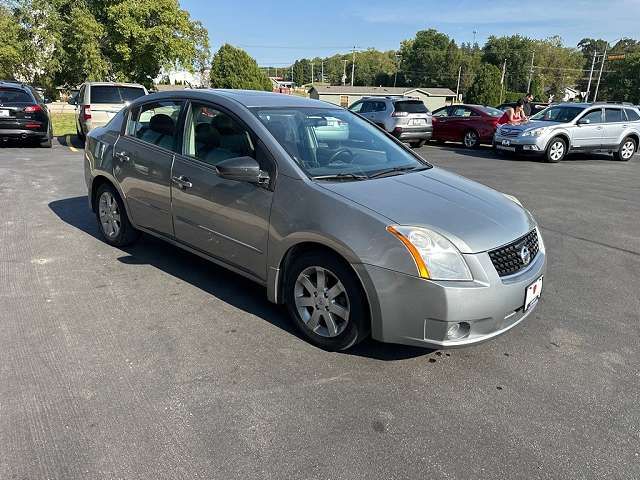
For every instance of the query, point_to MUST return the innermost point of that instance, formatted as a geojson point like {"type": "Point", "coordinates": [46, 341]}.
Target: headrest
{"type": "Point", "coordinates": [224, 123]}
{"type": "Point", "coordinates": [163, 124]}
{"type": "Point", "coordinates": [207, 135]}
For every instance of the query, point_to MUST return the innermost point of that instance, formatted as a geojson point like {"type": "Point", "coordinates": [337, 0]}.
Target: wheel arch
{"type": "Point", "coordinates": [100, 180]}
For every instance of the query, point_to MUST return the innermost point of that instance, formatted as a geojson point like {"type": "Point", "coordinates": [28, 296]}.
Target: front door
{"type": "Point", "coordinates": [143, 157]}
{"type": "Point", "coordinates": [225, 219]}
{"type": "Point", "coordinates": [588, 133]}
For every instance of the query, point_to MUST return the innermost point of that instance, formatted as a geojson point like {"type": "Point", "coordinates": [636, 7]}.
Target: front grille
{"type": "Point", "coordinates": [508, 259]}
{"type": "Point", "coordinates": [505, 132]}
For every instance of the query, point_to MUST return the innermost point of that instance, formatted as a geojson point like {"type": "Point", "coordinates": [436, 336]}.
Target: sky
{"type": "Point", "coordinates": [277, 33]}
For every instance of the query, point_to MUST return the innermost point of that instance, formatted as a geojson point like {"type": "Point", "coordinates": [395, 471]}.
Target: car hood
{"type": "Point", "coordinates": [474, 217]}
{"type": "Point", "coordinates": [531, 125]}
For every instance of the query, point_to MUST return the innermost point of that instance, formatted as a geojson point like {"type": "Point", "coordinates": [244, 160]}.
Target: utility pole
{"type": "Point", "coordinates": [458, 87]}
{"type": "Point", "coordinates": [533, 56]}
{"type": "Point", "coordinates": [593, 64]}
{"type": "Point", "coordinates": [322, 71]}
{"type": "Point", "coordinates": [604, 59]}
{"type": "Point", "coordinates": [292, 75]}
{"type": "Point", "coordinates": [398, 61]}
{"type": "Point", "coordinates": [353, 65]}
{"type": "Point", "coordinates": [311, 73]}
{"type": "Point", "coordinates": [504, 73]}
{"type": "Point", "coordinates": [344, 72]}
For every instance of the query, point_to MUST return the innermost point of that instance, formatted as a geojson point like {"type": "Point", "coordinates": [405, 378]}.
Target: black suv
{"type": "Point", "coordinates": [24, 114]}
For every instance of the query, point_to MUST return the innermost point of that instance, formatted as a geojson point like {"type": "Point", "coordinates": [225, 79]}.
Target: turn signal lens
{"type": "Point", "coordinates": [422, 268]}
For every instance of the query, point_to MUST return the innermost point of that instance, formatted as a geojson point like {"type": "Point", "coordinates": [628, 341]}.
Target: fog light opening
{"type": "Point", "coordinates": [458, 331]}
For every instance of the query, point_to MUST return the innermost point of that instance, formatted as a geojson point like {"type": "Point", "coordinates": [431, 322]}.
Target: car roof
{"type": "Point", "coordinates": [248, 98]}
{"type": "Point", "coordinates": [114, 84]}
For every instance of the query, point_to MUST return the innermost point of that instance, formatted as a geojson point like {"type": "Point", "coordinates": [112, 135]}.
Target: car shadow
{"type": "Point", "coordinates": [223, 284]}
{"type": "Point", "coordinates": [70, 141]}
{"type": "Point", "coordinates": [486, 151]}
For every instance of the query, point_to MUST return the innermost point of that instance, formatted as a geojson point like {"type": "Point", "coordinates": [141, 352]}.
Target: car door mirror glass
{"type": "Point", "coordinates": [242, 169]}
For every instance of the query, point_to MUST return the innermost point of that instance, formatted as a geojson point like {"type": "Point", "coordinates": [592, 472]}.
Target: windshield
{"type": "Point", "coordinates": [335, 143]}
{"type": "Point", "coordinates": [114, 94]}
{"type": "Point", "coordinates": [410, 106]}
{"type": "Point", "coordinates": [494, 112]}
{"type": "Point", "coordinates": [560, 114]}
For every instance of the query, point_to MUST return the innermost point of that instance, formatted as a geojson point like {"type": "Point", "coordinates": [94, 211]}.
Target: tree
{"type": "Point", "coordinates": [517, 51]}
{"type": "Point", "coordinates": [485, 89]}
{"type": "Point", "coordinates": [431, 59]}
{"type": "Point", "coordinates": [233, 68]}
{"type": "Point", "coordinates": [12, 48]}
{"type": "Point", "coordinates": [623, 83]}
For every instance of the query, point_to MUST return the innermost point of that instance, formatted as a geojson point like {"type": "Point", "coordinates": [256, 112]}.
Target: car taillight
{"type": "Point", "coordinates": [33, 109]}
{"type": "Point", "coordinates": [399, 114]}
{"type": "Point", "coordinates": [86, 113]}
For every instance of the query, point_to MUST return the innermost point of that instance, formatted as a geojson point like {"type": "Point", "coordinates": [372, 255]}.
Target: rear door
{"type": "Point", "coordinates": [143, 157]}
{"type": "Point", "coordinates": [615, 123]}
{"type": "Point", "coordinates": [588, 134]}
{"type": "Point", "coordinates": [107, 100]}
{"type": "Point", "coordinates": [223, 218]}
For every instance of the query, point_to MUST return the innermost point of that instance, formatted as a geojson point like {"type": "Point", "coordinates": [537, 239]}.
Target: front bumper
{"type": "Point", "coordinates": [524, 145]}
{"type": "Point", "coordinates": [414, 311]}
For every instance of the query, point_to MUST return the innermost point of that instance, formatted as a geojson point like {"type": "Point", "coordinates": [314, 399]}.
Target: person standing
{"type": "Point", "coordinates": [514, 116]}
{"type": "Point", "coordinates": [526, 104]}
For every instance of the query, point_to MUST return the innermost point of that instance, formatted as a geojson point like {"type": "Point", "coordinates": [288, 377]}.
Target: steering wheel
{"type": "Point", "coordinates": [341, 151]}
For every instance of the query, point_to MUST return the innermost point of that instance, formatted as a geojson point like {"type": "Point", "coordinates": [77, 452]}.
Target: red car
{"type": "Point", "coordinates": [469, 124]}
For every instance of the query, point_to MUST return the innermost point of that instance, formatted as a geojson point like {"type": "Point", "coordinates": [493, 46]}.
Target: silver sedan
{"type": "Point", "coordinates": [355, 233]}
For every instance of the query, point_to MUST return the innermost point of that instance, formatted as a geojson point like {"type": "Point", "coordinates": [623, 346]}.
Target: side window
{"type": "Point", "coordinates": [594, 116]}
{"type": "Point", "coordinates": [613, 115]}
{"type": "Point", "coordinates": [443, 112]}
{"type": "Point", "coordinates": [461, 112]}
{"type": "Point", "coordinates": [367, 107]}
{"type": "Point", "coordinates": [632, 115]}
{"type": "Point", "coordinates": [81, 95]}
{"type": "Point", "coordinates": [380, 106]}
{"type": "Point", "coordinates": [156, 123]}
{"type": "Point", "coordinates": [212, 136]}
{"type": "Point", "coordinates": [357, 107]}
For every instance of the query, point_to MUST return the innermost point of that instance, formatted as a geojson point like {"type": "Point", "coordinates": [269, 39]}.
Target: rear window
{"type": "Point", "coordinates": [114, 94]}
{"type": "Point", "coordinates": [494, 112]}
{"type": "Point", "coordinates": [632, 115]}
{"type": "Point", "coordinates": [613, 115]}
{"type": "Point", "coordinates": [12, 95]}
{"type": "Point", "coordinates": [410, 106]}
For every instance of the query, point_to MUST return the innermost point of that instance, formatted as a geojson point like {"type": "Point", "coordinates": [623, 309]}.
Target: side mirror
{"type": "Point", "coordinates": [243, 169]}
{"type": "Point", "coordinates": [584, 121]}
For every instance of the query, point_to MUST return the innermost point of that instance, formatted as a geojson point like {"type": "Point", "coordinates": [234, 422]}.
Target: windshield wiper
{"type": "Point", "coordinates": [341, 176]}
{"type": "Point", "coordinates": [397, 171]}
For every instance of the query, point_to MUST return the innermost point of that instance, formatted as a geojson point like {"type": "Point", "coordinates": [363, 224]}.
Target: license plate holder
{"type": "Point", "coordinates": [533, 294]}
{"type": "Point", "coordinates": [4, 113]}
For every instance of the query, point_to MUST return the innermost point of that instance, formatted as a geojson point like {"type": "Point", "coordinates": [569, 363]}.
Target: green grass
{"type": "Point", "coordinates": [63, 124]}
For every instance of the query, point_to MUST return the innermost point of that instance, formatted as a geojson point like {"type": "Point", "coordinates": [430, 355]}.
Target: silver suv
{"type": "Point", "coordinates": [406, 118]}
{"type": "Point", "coordinates": [351, 230]}
{"type": "Point", "coordinates": [574, 127]}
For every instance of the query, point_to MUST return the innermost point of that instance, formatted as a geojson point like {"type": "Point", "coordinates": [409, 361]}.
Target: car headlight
{"type": "Point", "coordinates": [536, 132]}
{"type": "Point", "coordinates": [436, 257]}
{"type": "Point", "coordinates": [513, 199]}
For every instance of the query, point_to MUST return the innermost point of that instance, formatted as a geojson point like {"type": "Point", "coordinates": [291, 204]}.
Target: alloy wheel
{"type": "Point", "coordinates": [322, 301]}
{"type": "Point", "coordinates": [109, 213]}
{"type": "Point", "coordinates": [628, 150]}
{"type": "Point", "coordinates": [470, 139]}
{"type": "Point", "coordinates": [557, 151]}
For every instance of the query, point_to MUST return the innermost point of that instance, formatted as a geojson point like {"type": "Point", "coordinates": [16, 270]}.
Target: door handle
{"type": "Point", "coordinates": [182, 181]}
{"type": "Point", "coordinates": [122, 156]}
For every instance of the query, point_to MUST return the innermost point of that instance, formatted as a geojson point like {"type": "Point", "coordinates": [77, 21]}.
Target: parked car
{"type": "Point", "coordinates": [356, 234]}
{"type": "Point", "coordinates": [536, 107]}
{"type": "Point", "coordinates": [406, 118]}
{"type": "Point", "coordinates": [98, 102]}
{"type": "Point", "coordinates": [24, 114]}
{"type": "Point", "coordinates": [573, 127]}
{"type": "Point", "coordinates": [470, 124]}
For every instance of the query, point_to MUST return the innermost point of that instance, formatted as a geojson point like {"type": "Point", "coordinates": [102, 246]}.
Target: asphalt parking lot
{"type": "Point", "coordinates": [151, 363]}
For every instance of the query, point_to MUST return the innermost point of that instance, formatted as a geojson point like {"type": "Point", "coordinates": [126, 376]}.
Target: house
{"type": "Point", "coordinates": [280, 85]}
{"type": "Point", "coordinates": [346, 95]}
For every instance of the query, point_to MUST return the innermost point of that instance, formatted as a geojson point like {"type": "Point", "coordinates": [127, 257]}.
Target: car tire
{"type": "Point", "coordinates": [48, 143]}
{"type": "Point", "coordinates": [417, 144]}
{"type": "Point", "coordinates": [471, 139]}
{"type": "Point", "coordinates": [320, 290]}
{"type": "Point", "coordinates": [556, 150]}
{"type": "Point", "coordinates": [113, 222]}
{"type": "Point", "coordinates": [626, 150]}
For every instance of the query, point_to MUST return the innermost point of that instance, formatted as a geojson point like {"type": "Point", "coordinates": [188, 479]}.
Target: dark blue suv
{"type": "Point", "coordinates": [24, 114]}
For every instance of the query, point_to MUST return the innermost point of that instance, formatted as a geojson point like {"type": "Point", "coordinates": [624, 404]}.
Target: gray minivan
{"type": "Point", "coordinates": [349, 228]}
